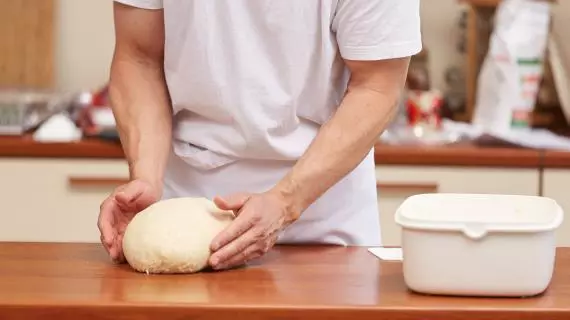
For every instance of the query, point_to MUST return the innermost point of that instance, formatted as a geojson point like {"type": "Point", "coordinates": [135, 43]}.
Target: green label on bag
{"type": "Point", "coordinates": [533, 61]}
{"type": "Point", "coordinates": [520, 119]}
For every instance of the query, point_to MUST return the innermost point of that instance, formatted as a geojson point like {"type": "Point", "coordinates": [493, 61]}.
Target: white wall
{"type": "Point", "coordinates": [561, 18]}
{"type": "Point", "coordinates": [86, 40]}
{"type": "Point", "coordinates": [440, 34]}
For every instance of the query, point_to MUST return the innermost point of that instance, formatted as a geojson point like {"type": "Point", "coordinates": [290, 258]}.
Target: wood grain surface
{"type": "Point", "coordinates": [86, 181]}
{"type": "Point", "coordinates": [77, 281]}
{"type": "Point", "coordinates": [27, 33]}
{"type": "Point", "coordinates": [458, 155]}
{"type": "Point", "coordinates": [27, 147]}
{"type": "Point", "coordinates": [465, 155]}
{"type": "Point", "coordinates": [556, 159]}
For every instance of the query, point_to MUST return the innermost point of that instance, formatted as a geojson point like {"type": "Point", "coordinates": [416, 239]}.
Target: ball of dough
{"type": "Point", "coordinates": [174, 235]}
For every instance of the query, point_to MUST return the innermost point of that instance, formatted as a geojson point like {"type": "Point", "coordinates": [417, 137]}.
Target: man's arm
{"type": "Point", "coordinates": [376, 39]}
{"type": "Point", "coordinates": [138, 92]}
{"type": "Point", "coordinates": [341, 144]}
{"type": "Point", "coordinates": [370, 102]}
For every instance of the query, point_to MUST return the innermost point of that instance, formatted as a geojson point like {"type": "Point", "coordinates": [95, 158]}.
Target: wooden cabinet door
{"type": "Point", "coordinates": [26, 43]}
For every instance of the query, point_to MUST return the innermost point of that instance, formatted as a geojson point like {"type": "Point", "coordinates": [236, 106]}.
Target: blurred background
{"type": "Point", "coordinates": [486, 110]}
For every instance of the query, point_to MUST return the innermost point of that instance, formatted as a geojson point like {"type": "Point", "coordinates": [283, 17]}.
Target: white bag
{"type": "Point", "coordinates": [511, 73]}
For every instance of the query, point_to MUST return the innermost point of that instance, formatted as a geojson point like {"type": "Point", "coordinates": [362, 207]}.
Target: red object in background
{"type": "Point", "coordinates": [101, 97]}
{"type": "Point", "coordinates": [99, 102]}
{"type": "Point", "coordinates": [424, 108]}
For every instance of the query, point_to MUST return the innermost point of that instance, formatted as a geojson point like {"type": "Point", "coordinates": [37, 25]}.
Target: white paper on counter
{"type": "Point", "coordinates": [527, 138]}
{"type": "Point", "coordinates": [534, 138]}
{"type": "Point", "coordinates": [387, 254]}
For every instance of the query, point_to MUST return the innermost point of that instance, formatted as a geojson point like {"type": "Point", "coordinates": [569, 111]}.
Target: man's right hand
{"type": "Point", "coordinates": [119, 209]}
{"type": "Point", "coordinates": [141, 107]}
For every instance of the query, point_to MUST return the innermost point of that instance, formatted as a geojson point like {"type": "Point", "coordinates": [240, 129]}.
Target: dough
{"type": "Point", "coordinates": [174, 235]}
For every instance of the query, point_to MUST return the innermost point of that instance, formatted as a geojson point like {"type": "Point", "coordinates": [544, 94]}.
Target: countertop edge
{"type": "Point", "coordinates": [221, 312]}
{"type": "Point", "coordinates": [463, 155]}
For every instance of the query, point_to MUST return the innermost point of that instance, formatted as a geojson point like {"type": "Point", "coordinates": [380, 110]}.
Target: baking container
{"type": "Point", "coordinates": [478, 244]}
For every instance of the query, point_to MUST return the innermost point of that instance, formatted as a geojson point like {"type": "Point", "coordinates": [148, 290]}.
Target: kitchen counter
{"type": "Point", "coordinates": [27, 147]}
{"type": "Point", "coordinates": [459, 155]}
{"type": "Point", "coordinates": [556, 159]}
{"type": "Point", "coordinates": [77, 281]}
{"type": "Point", "coordinates": [464, 155]}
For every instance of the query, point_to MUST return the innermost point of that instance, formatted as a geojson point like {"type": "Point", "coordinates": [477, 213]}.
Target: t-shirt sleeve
{"type": "Point", "coordinates": [144, 4]}
{"type": "Point", "coordinates": [377, 29]}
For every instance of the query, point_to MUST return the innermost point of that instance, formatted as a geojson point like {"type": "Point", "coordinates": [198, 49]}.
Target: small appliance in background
{"type": "Point", "coordinates": [23, 110]}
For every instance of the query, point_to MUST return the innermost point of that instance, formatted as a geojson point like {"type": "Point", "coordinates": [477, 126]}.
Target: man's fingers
{"type": "Point", "coordinates": [105, 245]}
{"type": "Point", "coordinates": [233, 202]}
{"type": "Point", "coordinates": [105, 222]}
{"type": "Point", "coordinates": [116, 251]}
{"type": "Point", "coordinates": [235, 238]}
{"type": "Point", "coordinates": [129, 194]}
{"type": "Point", "coordinates": [237, 228]}
{"type": "Point", "coordinates": [236, 247]}
{"type": "Point", "coordinates": [254, 251]}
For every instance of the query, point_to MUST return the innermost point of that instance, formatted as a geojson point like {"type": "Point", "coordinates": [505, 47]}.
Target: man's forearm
{"type": "Point", "coordinates": [142, 110]}
{"type": "Point", "coordinates": [340, 146]}
{"type": "Point", "coordinates": [344, 141]}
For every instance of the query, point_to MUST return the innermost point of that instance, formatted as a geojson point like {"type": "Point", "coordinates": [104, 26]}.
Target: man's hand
{"type": "Point", "coordinates": [119, 209]}
{"type": "Point", "coordinates": [260, 219]}
{"type": "Point", "coordinates": [141, 107]}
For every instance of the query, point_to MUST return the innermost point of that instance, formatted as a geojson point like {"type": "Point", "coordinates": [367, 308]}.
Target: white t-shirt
{"type": "Point", "coordinates": [253, 80]}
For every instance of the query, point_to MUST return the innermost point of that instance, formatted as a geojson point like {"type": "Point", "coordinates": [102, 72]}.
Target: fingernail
{"type": "Point", "coordinates": [214, 261]}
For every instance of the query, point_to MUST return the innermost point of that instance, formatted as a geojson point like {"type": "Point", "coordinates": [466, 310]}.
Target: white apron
{"type": "Point", "coordinates": [345, 215]}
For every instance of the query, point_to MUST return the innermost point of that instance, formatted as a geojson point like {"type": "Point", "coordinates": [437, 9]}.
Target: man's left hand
{"type": "Point", "coordinates": [259, 220]}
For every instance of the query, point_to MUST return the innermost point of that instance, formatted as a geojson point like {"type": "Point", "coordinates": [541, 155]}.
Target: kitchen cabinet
{"type": "Point", "coordinates": [27, 43]}
{"type": "Point", "coordinates": [55, 199]}
{"type": "Point", "coordinates": [58, 199]}
{"type": "Point", "coordinates": [396, 183]}
{"type": "Point", "coordinates": [555, 186]}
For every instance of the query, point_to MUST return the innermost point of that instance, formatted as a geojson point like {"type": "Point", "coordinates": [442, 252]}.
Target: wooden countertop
{"type": "Point", "coordinates": [556, 159]}
{"type": "Point", "coordinates": [459, 155]}
{"type": "Point", "coordinates": [27, 147]}
{"type": "Point", "coordinates": [77, 281]}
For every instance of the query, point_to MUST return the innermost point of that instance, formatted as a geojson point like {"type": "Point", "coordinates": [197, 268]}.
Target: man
{"type": "Point", "coordinates": [269, 107]}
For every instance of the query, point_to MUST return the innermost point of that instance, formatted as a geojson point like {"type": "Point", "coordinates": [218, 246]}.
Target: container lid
{"type": "Point", "coordinates": [478, 214]}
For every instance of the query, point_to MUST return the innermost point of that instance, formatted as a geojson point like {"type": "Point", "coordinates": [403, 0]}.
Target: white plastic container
{"type": "Point", "coordinates": [478, 244]}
